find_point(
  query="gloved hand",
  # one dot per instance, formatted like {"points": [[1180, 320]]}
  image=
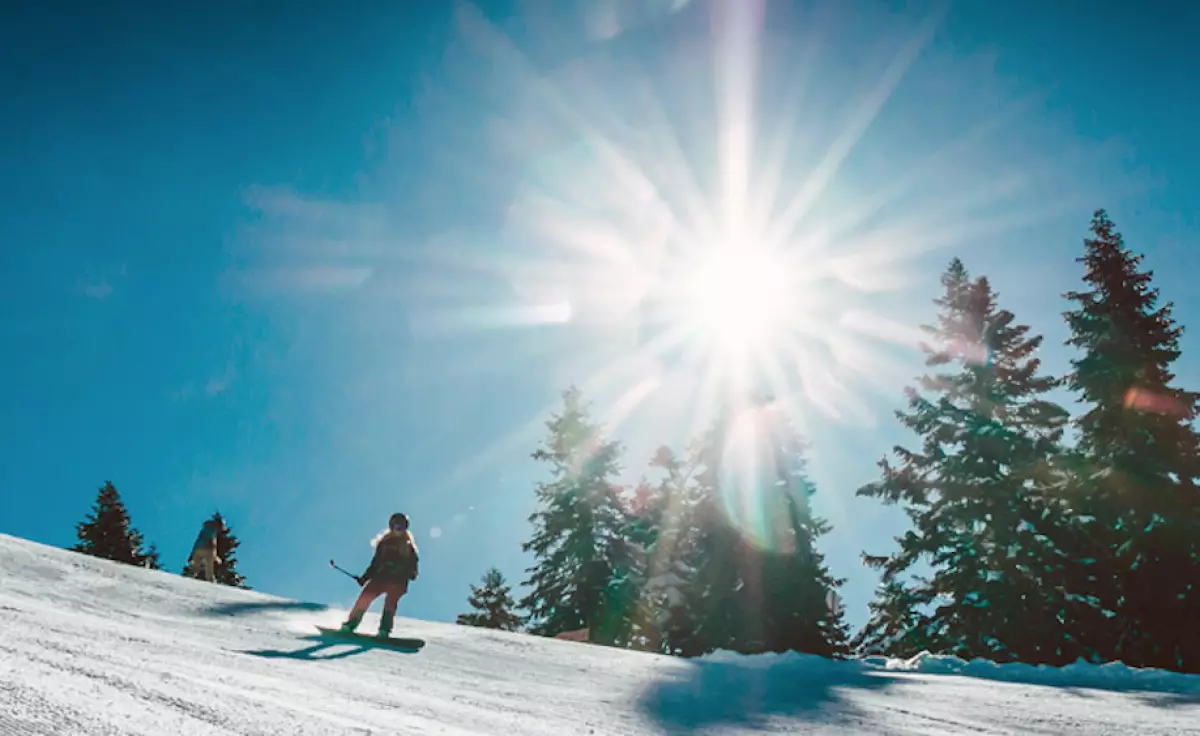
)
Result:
{"points": [[361, 581]]}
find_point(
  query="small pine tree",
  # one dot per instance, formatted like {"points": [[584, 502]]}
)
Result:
{"points": [[493, 604], [109, 534], [225, 572], [1141, 462], [585, 573]]}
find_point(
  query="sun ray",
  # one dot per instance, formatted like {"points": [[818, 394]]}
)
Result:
{"points": [[868, 109], [658, 212]]}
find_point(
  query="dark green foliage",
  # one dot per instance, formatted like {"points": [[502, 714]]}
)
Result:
{"points": [[980, 493], [1137, 463], [586, 573], [493, 604], [786, 586], [108, 532], [665, 529], [227, 546], [712, 585]]}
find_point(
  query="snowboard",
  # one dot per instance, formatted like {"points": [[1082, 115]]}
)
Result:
{"points": [[408, 644]]}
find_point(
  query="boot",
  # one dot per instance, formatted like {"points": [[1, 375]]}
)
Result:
{"points": [[352, 623], [385, 624]]}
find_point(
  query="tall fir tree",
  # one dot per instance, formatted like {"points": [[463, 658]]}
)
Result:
{"points": [[797, 586], [492, 603], [758, 583], [585, 573], [726, 578], [980, 493], [109, 533], [1141, 458], [225, 572]]}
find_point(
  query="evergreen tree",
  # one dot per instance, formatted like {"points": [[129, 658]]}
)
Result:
{"points": [[980, 495], [1139, 499], [109, 533], [493, 604], [666, 525], [754, 584], [797, 586], [585, 574], [727, 565], [225, 572]]}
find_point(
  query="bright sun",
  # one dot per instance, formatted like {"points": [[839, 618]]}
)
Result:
{"points": [[737, 296]]}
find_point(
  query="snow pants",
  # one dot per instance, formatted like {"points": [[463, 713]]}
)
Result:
{"points": [[374, 589], [203, 563]]}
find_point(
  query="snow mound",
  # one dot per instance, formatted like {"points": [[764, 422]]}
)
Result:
{"points": [[1080, 674], [1115, 676], [92, 647]]}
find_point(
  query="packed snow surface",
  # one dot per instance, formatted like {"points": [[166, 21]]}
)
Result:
{"points": [[92, 647]]}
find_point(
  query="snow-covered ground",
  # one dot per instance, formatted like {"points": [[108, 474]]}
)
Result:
{"points": [[90, 647]]}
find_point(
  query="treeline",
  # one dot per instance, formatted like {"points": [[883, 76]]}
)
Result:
{"points": [[108, 532], [1035, 534]]}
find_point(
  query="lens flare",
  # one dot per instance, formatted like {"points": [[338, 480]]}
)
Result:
{"points": [[758, 489]]}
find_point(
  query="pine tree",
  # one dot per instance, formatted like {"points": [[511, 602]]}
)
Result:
{"points": [[493, 604], [227, 545], [979, 493], [726, 564], [108, 532], [797, 585], [755, 584], [225, 572], [1139, 495], [666, 528], [585, 574]]}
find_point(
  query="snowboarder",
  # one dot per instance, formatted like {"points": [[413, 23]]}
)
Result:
{"points": [[392, 568], [204, 558]]}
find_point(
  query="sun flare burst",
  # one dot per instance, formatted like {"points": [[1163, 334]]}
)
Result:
{"points": [[738, 296], [707, 254], [685, 223]]}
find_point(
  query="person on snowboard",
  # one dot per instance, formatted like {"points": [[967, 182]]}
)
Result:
{"points": [[392, 568], [204, 558]]}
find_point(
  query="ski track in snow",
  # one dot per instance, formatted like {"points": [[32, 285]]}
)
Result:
{"points": [[94, 648]]}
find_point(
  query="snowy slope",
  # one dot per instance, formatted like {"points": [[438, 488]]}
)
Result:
{"points": [[90, 647]]}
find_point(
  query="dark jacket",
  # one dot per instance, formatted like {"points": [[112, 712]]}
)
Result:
{"points": [[207, 539], [396, 559]]}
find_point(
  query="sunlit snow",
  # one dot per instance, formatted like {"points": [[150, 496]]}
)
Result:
{"points": [[92, 647]]}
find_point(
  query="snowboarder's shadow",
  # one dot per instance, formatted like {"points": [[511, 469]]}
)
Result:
{"points": [[314, 652]]}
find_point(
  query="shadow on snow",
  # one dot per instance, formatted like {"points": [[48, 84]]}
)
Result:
{"points": [[722, 694], [315, 653], [243, 608]]}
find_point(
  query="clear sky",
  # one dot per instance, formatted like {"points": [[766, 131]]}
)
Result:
{"points": [[311, 266]]}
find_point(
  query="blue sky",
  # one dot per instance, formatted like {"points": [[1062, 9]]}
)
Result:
{"points": [[311, 267]]}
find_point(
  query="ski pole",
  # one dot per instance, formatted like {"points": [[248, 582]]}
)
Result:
{"points": [[344, 572]]}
